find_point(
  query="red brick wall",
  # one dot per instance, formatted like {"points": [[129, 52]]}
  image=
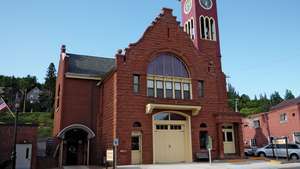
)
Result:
{"points": [[26, 134]]}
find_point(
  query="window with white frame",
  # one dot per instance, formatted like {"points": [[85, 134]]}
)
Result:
{"points": [[189, 28], [207, 28], [283, 117], [256, 124], [253, 142], [168, 78]]}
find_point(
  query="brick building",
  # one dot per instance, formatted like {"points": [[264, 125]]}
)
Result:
{"points": [[162, 97], [283, 120], [26, 147]]}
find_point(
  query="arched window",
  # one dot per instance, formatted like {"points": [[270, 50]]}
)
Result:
{"points": [[136, 124], [212, 29], [207, 28], [203, 125], [168, 65], [167, 116], [202, 27], [168, 77]]}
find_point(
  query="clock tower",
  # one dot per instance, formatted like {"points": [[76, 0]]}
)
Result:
{"points": [[200, 22]]}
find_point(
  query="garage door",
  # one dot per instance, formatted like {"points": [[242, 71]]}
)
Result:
{"points": [[169, 143]]}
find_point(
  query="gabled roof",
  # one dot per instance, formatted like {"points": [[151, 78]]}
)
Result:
{"points": [[287, 103], [90, 65]]}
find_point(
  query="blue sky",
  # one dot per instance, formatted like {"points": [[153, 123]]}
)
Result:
{"points": [[259, 38]]}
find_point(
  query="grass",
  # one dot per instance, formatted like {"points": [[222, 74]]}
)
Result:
{"points": [[42, 119]]}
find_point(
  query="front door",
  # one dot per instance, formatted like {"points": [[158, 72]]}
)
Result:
{"points": [[136, 149], [228, 139], [23, 160]]}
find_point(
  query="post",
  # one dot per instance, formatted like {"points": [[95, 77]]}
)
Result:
{"points": [[88, 153], [14, 153], [286, 147], [114, 156], [61, 152], [236, 104]]}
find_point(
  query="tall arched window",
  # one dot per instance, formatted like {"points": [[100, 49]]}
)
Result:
{"points": [[168, 77], [212, 29], [207, 28]]}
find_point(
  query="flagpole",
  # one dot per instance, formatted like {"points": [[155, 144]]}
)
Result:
{"points": [[14, 157]]}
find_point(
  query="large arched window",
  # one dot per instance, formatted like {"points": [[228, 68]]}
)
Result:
{"points": [[168, 77], [167, 65]]}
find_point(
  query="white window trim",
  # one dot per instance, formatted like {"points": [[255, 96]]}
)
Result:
{"points": [[285, 120], [211, 29], [164, 79]]}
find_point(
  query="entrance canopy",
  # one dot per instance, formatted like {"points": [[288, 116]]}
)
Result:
{"points": [[150, 107], [62, 133]]}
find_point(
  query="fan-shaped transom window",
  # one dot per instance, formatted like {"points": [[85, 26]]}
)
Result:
{"points": [[168, 77], [168, 65], [136, 124], [166, 116]]}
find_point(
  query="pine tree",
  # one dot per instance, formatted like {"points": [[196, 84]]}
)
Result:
{"points": [[288, 95], [275, 98], [50, 82]]}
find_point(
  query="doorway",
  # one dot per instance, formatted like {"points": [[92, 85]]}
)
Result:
{"points": [[24, 152], [136, 148], [228, 139]]}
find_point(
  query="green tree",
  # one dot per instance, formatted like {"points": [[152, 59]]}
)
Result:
{"points": [[50, 82], [232, 96], [275, 98], [288, 95]]}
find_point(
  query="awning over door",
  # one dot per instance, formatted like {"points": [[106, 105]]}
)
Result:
{"points": [[150, 107]]}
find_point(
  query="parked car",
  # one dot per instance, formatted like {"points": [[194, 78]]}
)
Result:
{"points": [[279, 151], [250, 151]]}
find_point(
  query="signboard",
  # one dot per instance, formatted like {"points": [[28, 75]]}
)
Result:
{"points": [[279, 141], [109, 155], [209, 143], [116, 142]]}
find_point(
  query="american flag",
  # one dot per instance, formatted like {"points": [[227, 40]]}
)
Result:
{"points": [[3, 105]]}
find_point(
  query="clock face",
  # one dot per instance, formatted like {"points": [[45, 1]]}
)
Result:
{"points": [[206, 4], [188, 6]]}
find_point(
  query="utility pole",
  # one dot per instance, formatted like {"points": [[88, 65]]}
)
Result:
{"points": [[236, 104]]}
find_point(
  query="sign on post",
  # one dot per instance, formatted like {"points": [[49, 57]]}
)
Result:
{"points": [[116, 142], [109, 155], [209, 147]]}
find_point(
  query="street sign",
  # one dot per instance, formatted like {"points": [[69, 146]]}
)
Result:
{"points": [[116, 142], [209, 143], [109, 155]]}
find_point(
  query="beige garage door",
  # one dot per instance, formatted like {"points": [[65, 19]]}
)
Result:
{"points": [[169, 143]]}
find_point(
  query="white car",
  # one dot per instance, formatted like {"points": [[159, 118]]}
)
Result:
{"points": [[279, 151]]}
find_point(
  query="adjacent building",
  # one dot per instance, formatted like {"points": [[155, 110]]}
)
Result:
{"points": [[283, 120], [161, 98]]}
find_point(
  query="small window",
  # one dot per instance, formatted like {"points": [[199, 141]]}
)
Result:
{"points": [[253, 142], [58, 97], [201, 88], [178, 90], [186, 91], [159, 89], [136, 83], [203, 125], [229, 136], [169, 89], [136, 124], [150, 88], [283, 117], [175, 127], [202, 27], [162, 127], [203, 137], [256, 124], [135, 143]]}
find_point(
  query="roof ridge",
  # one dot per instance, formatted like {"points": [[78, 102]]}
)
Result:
{"points": [[82, 55]]}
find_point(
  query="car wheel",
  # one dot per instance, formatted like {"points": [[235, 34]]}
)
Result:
{"points": [[294, 157], [261, 154]]}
